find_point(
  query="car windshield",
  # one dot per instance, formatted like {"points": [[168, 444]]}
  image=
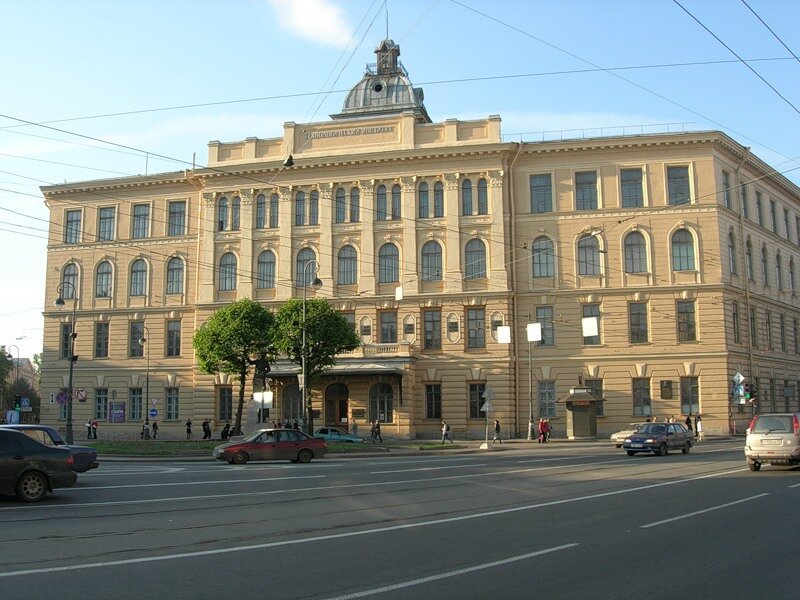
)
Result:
{"points": [[651, 428], [253, 436]]}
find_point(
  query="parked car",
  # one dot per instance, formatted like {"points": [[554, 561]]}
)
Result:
{"points": [[30, 469], [85, 456], [774, 439], [659, 438], [272, 444], [619, 437], [336, 435]]}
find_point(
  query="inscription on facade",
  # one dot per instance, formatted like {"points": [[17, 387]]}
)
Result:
{"points": [[316, 135]]}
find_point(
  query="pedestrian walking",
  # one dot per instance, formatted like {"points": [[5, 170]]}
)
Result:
{"points": [[354, 428], [225, 433], [155, 429], [688, 422], [189, 429], [446, 432], [95, 424], [541, 427], [296, 425], [547, 430], [207, 429], [145, 431], [698, 428], [88, 429], [496, 437]]}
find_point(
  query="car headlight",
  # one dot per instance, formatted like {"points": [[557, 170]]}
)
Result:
{"points": [[650, 440], [627, 440]]}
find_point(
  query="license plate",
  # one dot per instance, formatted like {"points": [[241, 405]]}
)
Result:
{"points": [[637, 445], [771, 442]]}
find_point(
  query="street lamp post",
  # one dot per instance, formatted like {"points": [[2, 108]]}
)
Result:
{"points": [[72, 357], [534, 332], [144, 343], [316, 282]]}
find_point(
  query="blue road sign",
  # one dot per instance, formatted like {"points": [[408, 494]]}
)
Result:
{"points": [[152, 412]]}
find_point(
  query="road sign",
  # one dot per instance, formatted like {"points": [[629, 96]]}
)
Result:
{"points": [[738, 378], [738, 391], [79, 393], [154, 401], [62, 397], [152, 412]]}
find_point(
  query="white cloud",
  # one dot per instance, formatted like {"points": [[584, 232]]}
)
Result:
{"points": [[320, 21]]}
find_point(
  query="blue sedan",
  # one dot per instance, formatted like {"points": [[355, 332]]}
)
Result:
{"points": [[336, 435], [658, 438]]}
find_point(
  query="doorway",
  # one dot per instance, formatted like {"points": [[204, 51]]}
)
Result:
{"points": [[336, 405]]}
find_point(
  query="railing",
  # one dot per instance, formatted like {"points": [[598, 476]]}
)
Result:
{"points": [[596, 132], [372, 350]]}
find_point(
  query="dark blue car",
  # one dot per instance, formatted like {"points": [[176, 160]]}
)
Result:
{"points": [[85, 456], [658, 438]]}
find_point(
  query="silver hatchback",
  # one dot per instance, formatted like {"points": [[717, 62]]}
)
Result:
{"points": [[774, 439]]}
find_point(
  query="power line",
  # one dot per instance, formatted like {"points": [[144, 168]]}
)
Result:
{"points": [[777, 37]]}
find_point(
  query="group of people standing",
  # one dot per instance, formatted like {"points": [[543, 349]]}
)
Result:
{"points": [[375, 432], [543, 429], [696, 428], [91, 429]]}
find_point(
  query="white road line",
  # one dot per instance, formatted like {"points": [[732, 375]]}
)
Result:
{"points": [[427, 469], [794, 486], [179, 483], [700, 512], [446, 575], [333, 536]]}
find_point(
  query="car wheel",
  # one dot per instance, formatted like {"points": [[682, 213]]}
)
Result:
{"points": [[239, 458], [755, 466], [305, 455], [619, 445], [32, 486], [662, 449], [686, 447], [630, 452]]}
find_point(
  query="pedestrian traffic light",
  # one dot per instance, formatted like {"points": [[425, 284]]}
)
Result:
{"points": [[749, 392]]}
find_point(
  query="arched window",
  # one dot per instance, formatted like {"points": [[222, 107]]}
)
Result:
{"points": [[635, 253], [266, 270], [305, 272], [483, 197], [422, 201], [102, 285], [227, 272], [300, 209], [764, 266], [431, 261], [588, 255], [261, 211], [682, 251], [381, 403], [347, 266], [380, 206], [475, 260], [543, 260], [138, 278], [313, 209], [466, 197], [396, 202], [274, 203], [438, 199], [236, 207], [732, 254], [69, 277], [340, 206], [388, 264], [222, 214], [355, 205], [175, 276], [779, 271], [749, 260]]}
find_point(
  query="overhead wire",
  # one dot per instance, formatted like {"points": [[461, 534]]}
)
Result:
{"points": [[777, 37]]}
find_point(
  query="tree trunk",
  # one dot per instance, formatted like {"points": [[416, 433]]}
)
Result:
{"points": [[237, 424]]}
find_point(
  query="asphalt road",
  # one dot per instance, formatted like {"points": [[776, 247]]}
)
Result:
{"points": [[560, 521]]}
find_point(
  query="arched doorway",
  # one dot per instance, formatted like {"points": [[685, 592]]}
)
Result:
{"points": [[336, 405]]}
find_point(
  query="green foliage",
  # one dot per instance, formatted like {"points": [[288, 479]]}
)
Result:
{"points": [[5, 368]]}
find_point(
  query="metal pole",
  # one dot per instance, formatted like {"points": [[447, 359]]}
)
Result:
{"points": [[145, 341], [530, 394], [306, 413], [72, 335]]}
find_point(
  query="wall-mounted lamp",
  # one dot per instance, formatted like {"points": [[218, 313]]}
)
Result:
{"points": [[289, 161]]}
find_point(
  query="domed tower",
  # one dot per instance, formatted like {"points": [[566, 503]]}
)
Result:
{"points": [[384, 90]]}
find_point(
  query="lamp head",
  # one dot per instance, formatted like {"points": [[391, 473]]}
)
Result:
{"points": [[317, 282], [289, 161], [142, 341], [59, 302]]}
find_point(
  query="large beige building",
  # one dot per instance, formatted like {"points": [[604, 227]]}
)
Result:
{"points": [[431, 238]]}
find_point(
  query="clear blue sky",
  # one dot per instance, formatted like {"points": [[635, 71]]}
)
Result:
{"points": [[80, 59]]}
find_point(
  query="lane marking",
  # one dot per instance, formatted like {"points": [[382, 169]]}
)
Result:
{"points": [[427, 469], [350, 534], [700, 512], [490, 565], [177, 483]]}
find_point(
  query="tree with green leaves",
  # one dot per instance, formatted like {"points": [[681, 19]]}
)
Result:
{"points": [[327, 334], [233, 339], [6, 367]]}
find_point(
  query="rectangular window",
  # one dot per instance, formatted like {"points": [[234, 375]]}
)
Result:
{"points": [[171, 404], [592, 310], [225, 412], [141, 221], [173, 338], [759, 209], [773, 215], [726, 189], [72, 227], [586, 190], [101, 404], [786, 224], [637, 322], [753, 328], [541, 194], [642, 403], [135, 334], [476, 328], [350, 317], [690, 395], [678, 185], [544, 316], [737, 334], [476, 400], [177, 218], [388, 327], [632, 191], [795, 337], [768, 326], [595, 387], [782, 332], [745, 202], [66, 332], [687, 326], [433, 401], [433, 329], [105, 223], [547, 399], [135, 404], [101, 340]]}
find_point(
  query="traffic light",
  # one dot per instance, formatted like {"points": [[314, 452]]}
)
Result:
{"points": [[749, 392]]}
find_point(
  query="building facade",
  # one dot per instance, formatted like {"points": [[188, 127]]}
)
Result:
{"points": [[431, 238]]}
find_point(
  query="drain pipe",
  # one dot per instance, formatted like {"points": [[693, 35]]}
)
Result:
{"points": [[514, 295]]}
